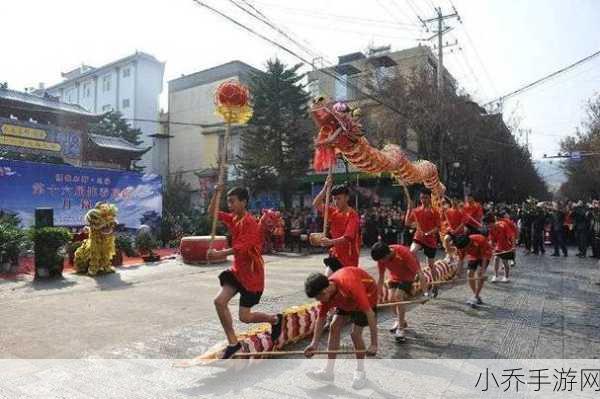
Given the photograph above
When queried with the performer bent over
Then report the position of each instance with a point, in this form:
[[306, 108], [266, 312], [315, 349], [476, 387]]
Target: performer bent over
[[353, 292], [246, 276], [478, 252], [344, 244], [428, 223], [403, 267]]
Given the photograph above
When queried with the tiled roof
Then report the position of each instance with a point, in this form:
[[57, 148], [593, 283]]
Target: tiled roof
[[115, 143], [44, 102]]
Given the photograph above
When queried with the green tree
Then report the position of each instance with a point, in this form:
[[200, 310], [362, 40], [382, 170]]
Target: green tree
[[277, 145], [113, 124], [583, 177]]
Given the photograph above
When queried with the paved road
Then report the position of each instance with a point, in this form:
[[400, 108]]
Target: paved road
[[165, 311]]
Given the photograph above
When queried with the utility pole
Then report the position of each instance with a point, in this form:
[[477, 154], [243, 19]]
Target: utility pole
[[439, 33]]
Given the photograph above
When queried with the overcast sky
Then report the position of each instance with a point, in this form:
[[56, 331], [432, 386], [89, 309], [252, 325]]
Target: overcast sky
[[505, 43]]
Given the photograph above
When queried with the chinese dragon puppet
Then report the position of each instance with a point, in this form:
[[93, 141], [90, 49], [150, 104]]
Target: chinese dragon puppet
[[94, 256]]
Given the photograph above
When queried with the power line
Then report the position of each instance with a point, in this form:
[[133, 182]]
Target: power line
[[543, 79]]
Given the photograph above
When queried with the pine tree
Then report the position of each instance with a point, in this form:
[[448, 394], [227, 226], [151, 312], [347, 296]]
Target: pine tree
[[277, 146], [113, 124]]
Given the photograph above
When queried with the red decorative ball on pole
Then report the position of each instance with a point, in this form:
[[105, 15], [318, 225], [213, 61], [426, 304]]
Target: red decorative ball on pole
[[232, 102]]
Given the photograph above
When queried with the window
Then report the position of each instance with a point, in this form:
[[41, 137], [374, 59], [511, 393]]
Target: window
[[86, 90], [107, 108], [106, 83], [126, 72], [341, 88], [125, 103]]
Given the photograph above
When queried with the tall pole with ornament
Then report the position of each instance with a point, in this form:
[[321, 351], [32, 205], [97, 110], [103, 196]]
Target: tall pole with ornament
[[232, 104]]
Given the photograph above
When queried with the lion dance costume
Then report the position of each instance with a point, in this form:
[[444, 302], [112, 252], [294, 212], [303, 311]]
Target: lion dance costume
[[94, 256]]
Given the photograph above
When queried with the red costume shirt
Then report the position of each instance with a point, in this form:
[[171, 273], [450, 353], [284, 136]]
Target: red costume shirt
[[356, 291], [345, 224], [427, 219], [478, 249], [473, 214], [512, 225], [455, 217], [403, 267], [502, 236], [248, 265]]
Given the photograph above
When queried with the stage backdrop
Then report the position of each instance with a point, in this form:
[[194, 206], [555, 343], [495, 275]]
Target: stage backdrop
[[71, 191]]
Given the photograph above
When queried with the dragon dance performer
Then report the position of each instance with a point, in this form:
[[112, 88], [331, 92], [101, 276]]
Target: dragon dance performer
[[246, 276], [454, 216], [478, 252], [344, 227], [427, 221], [503, 238], [403, 267], [353, 293], [474, 215]]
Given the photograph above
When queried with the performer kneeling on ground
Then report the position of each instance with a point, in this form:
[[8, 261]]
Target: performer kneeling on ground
[[344, 244], [353, 292], [428, 223], [246, 276], [478, 252], [503, 240], [403, 267]]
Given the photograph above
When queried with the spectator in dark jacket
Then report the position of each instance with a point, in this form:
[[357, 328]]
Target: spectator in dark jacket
[[557, 220]]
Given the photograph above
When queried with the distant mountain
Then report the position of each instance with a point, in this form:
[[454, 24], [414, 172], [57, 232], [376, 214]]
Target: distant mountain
[[551, 172]]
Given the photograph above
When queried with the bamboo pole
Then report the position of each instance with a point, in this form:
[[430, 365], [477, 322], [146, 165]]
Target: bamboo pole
[[419, 301], [287, 353], [220, 183]]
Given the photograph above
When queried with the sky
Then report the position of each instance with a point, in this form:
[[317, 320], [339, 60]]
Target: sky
[[502, 44]]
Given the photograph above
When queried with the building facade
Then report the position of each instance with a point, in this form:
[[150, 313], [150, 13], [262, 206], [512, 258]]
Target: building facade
[[130, 85], [357, 72], [58, 133], [196, 131]]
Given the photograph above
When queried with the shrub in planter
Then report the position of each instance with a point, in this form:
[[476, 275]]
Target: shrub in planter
[[13, 241], [145, 245], [125, 244], [48, 242]]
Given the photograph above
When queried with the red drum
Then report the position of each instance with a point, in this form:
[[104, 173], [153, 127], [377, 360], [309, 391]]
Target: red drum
[[193, 249]]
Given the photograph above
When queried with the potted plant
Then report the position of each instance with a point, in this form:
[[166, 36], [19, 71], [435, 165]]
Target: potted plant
[[49, 245], [13, 241], [145, 245], [123, 245]]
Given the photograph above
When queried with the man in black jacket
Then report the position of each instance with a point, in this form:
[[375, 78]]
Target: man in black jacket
[[581, 222], [539, 221], [557, 220]]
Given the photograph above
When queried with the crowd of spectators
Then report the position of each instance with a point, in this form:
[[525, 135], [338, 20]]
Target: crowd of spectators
[[541, 224]]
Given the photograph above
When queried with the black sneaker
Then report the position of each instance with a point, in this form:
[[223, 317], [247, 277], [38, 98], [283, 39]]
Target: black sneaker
[[231, 350], [479, 301], [435, 291], [276, 328]]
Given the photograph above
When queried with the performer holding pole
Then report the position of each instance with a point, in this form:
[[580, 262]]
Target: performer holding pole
[[353, 294], [246, 276]]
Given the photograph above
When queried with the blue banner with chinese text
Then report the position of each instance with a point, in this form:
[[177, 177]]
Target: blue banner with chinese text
[[72, 191]]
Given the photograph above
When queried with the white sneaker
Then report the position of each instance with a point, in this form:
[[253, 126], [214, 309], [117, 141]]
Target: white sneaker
[[494, 279], [359, 381], [505, 279], [400, 335], [320, 375]]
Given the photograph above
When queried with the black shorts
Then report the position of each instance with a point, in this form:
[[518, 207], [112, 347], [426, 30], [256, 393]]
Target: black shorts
[[247, 298], [428, 251], [507, 256], [474, 264], [405, 286], [358, 318], [333, 263]]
